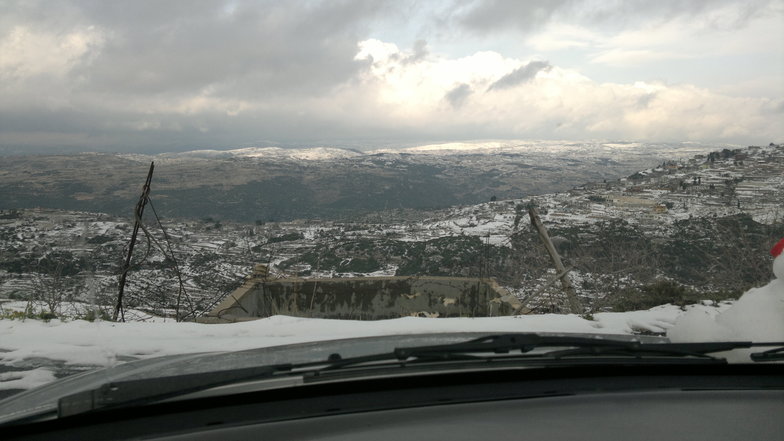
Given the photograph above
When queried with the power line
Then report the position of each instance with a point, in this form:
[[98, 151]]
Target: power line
[[139, 224], [176, 265]]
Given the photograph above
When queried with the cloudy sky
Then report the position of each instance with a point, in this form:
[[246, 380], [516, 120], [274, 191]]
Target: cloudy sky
[[180, 75]]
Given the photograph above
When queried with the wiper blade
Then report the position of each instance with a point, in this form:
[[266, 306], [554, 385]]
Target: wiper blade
[[774, 354], [565, 346], [578, 346], [506, 343]]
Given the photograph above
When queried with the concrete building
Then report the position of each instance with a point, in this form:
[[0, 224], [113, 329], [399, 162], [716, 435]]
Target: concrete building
[[364, 298]]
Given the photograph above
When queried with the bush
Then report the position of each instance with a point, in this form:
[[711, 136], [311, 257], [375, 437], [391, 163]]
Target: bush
[[14, 315], [28, 314], [657, 293], [286, 238], [361, 265], [92, 315], [45, 316], [100, 239]]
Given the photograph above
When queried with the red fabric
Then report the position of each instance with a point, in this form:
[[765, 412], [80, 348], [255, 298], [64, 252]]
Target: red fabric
[[777, 249]]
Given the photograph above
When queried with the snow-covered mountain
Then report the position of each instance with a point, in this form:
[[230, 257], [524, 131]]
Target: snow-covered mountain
[[490, 147], [589, 148], [277, 184], [305, 154]]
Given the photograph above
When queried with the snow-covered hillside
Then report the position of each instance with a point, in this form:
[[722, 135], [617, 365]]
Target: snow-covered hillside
[[570, 148], [305, 154], [714, 215], [612, 232], [274, 184]]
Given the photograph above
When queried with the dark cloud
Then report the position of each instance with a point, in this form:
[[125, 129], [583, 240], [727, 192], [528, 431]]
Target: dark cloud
[[175, 75], [520, 75], [498, 14], [420, 52], [645, 101], [153, 55], [251, 49], [457, 96], [239, 49], [134, 131], [528, 16]]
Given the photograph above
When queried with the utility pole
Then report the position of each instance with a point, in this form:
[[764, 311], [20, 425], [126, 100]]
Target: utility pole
[[487, 256], [562, 273], [138, 212]]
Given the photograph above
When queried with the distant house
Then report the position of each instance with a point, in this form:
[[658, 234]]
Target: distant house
[[633, 202]]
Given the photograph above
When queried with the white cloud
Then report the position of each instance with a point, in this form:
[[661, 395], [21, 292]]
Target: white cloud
[[726, 29], [29, 52], [633, 57], [559, 36], [419, 88], [556, 102]]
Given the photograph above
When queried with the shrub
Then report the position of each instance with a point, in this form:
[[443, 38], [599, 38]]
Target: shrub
[[14, 315], [92, 315], [657, 293]]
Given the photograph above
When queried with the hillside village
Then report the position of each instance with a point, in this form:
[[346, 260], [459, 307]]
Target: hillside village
[[720, 183], [667, 229]]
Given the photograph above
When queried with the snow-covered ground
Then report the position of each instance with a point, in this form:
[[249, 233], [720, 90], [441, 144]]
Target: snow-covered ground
[[102, 343], [758, 316]]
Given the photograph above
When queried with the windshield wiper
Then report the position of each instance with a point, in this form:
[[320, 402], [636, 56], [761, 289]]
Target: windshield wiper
[[774, 354], [501, 347], [567, 346]]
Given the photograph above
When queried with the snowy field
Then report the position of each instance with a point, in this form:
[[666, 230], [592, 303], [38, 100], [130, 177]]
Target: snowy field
[[80, 344]]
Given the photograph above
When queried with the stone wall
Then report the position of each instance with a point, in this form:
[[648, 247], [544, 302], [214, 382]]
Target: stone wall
[[364, 298]]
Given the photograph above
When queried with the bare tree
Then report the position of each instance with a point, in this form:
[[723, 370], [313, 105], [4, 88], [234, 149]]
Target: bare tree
[[54, 283]]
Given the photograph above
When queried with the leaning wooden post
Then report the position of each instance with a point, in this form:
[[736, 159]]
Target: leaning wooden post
[[138, 212], [574, 303]]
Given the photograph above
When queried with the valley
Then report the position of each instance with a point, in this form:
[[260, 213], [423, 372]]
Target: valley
[[684, 230], [278, 185]]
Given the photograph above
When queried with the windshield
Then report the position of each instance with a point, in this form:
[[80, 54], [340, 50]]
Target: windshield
[[180, 178]]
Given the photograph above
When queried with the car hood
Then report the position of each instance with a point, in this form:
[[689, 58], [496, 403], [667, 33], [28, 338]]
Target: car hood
[[43, 400]]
